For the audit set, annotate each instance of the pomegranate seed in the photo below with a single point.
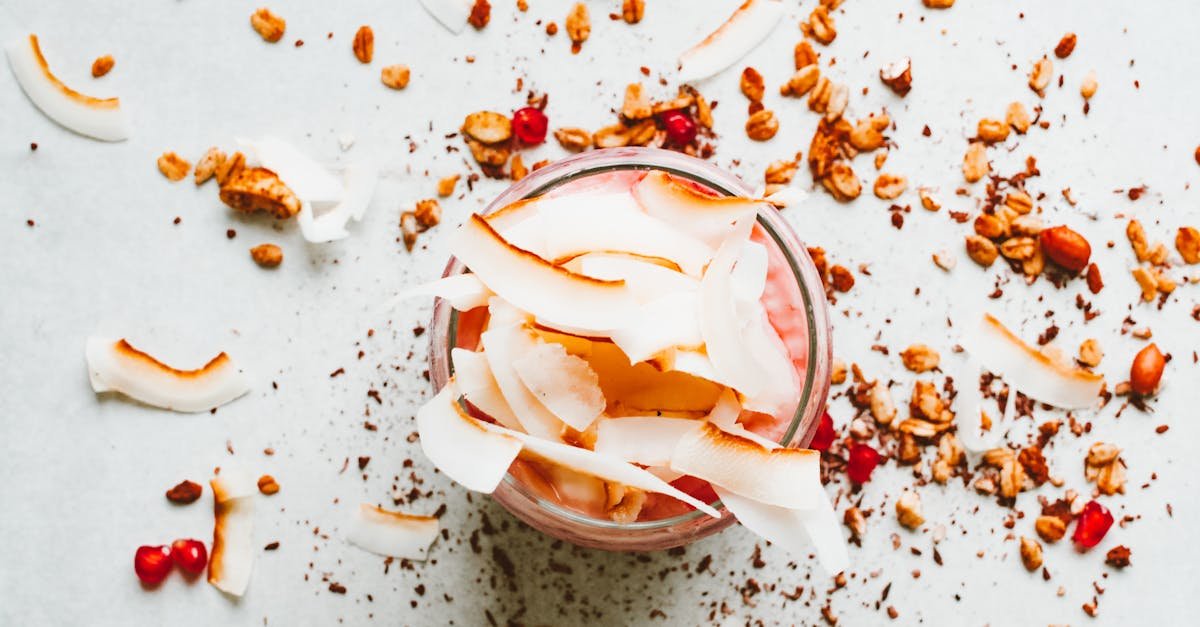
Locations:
(863, 459)
(681, 129)
(190, 555)
(529, 124)
(152, 564)
(1092, 525)
(824, 435)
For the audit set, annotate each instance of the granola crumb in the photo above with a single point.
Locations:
(102, 65)
(762, 126)
(578, 25)
(908, 510)
(206, 167)
(268, 25)
(633, 10)
(445, 185)
(267, 255)
(267, 485)
(174, 167)
(395, 76)
(363, 45)
(1031, 554)
(481, 14)
(920, 358)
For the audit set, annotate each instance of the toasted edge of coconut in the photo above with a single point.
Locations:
(392, 533)
(116, 366)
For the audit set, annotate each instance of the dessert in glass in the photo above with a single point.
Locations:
(630, 352)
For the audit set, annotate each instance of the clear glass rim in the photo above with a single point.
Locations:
(816, 383)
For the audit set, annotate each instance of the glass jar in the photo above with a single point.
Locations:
(813, 364)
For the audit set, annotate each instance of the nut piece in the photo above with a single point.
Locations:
(908, 510)
(228, 168)
(637, 105)
(267, 255)
(837, 374)
(950, 455)
(409, 229)
(185, 492)
(1187, 242)
(207, 166)
(1017, 117)
(898, 76)
(762, 125)
(1090, 353)
(1066, 247)
(780, 172)
(804, 54)
(867, 135)
(632, 11)
(981, 250)
(488, 127)
(268, 25)
(395, 76)
(927, 199)
(1039, 77)
(1104, 466)
(579, 26)
(842, 182)
(1147, 281)
(1147, 370)
(173, 166)
(1019, 202)
(445, 186)
(890, 186)
(841, 278)
(267, 485)
(975, 162)
(481, 14)
(1065, 46)
(1050, 528)
(1088, 87)
(855, 522)
(938, 4)
(1031, 554)
(428, 212)
(992, 131)
(920, 358)
(801, 82)
(1118, 557)
(944, 260)
(752, 84)
(1137, 240)
(364, 44)
(259, 189)
(880, 403)
(820, 26)
(102, 65)
(573, 138)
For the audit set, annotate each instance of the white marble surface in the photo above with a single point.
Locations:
(81, 478)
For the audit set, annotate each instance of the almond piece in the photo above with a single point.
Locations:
(633, 10)
(981, 250)
(1031, 554)
(1066, 247)
(364, 44)
(908, 510)
(1039, 76)
(975, 162)
(1065, 46)
(762, 125)
(488, 127)
(395, 76)
(267, 255)
(1187, 242)
(207, 166)
(102, 65)
(268, 25)
(1147, 370)
(1018, 117)
(890, 186)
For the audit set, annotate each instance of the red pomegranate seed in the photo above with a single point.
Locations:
(1092, 525)
(824, 435)
(529, 124)
(190, 555)
(681, 129)
(863, 459)
(152, 564)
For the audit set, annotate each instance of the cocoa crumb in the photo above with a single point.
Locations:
(185, 492)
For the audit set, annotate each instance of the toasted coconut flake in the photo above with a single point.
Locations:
(968, 405)
(707, 218)
(452, 14)
(503, 346)
(565, 384)
(615, 223)
(1032, 371)
(779, 393)
(784, 477)
(799, 532)
(599, 466)
(725, 416)
(645, 440)
(233, 549)
(460, 446)
(750, 274)
(392, 534)
(464, 291)
(648, 278)
(742, 32)
(99, 118)
(116, 366)
(697, 364)
(662, 324)
(722, 329)
(310, 181)
(476, 382)
(539, 287)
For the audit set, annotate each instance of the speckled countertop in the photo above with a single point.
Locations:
(82, 477)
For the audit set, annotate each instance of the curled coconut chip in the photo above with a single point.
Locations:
(784, 477)
(535, 285)
(452, 14)
(742, 32)
(116, 366)
(672, 320)
(99, 118)
(463, 291)
(504, 345)
(392, 534)
(647, 277)
(476, 382)
(797, 531)
(563, 383)
(707, 218)
(358, 181)
(645, 440)
(233, 548)
(461, 447)
(1035, 373)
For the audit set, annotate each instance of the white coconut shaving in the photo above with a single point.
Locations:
(116, 366)
(391, 533)
(735, 38)
(233, 549)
